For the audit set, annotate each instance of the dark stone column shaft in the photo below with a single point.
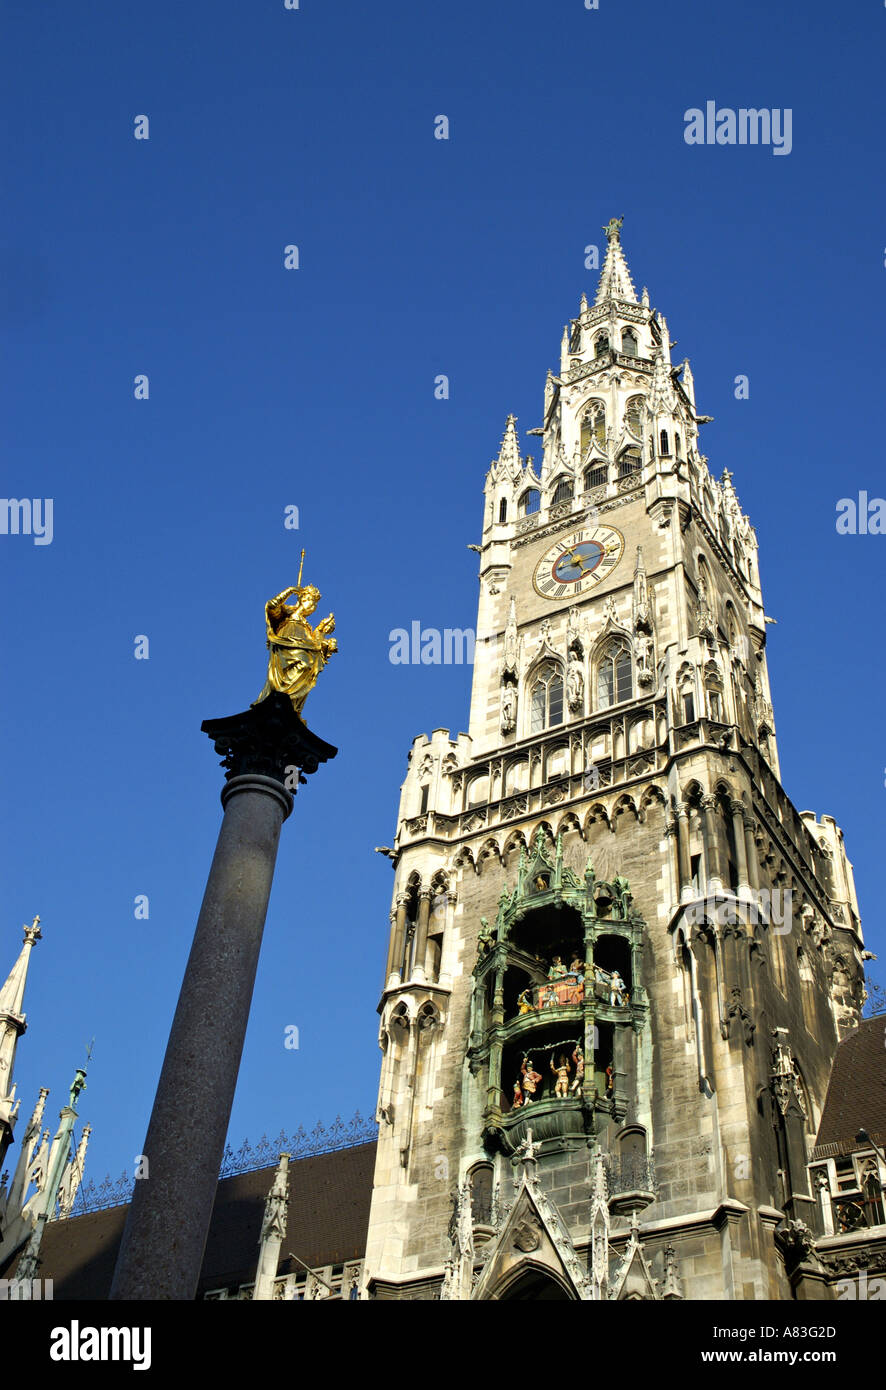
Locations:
(162, 1249)
(161, 1253)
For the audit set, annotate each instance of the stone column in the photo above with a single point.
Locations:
(684, 861)
(392, 947)
(421, 935)
(751, 853)
(399, 939)
(712, 845)
(267, 750)
(737, 809)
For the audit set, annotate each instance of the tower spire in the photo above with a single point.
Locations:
(615, 278)
(12, 1025)
(273, 1231)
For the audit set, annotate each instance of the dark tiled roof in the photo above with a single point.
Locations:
(328, 1219)
(856, 1097)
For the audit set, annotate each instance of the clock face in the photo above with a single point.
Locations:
(578, 562)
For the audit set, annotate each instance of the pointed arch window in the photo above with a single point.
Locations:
(546, 699)
(664, 447)
(629, 462)
(615, 679)
(593, 425)
(530, 502)
(634, 416)
(629, 343)
(502, 511)
(601, 344)
(595, 477)
(562, 493)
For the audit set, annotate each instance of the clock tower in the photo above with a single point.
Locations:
(620, 960)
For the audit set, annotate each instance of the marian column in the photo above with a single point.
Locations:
(267, 750)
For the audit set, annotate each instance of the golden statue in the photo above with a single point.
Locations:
(298, 652)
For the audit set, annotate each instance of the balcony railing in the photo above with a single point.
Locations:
(856, 1212)
(569, 990)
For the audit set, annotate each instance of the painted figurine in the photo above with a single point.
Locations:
(524, 1003)
(561, 1071)
(578, 1058)
(531, 1080)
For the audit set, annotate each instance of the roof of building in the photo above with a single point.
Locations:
(328, 1217)
(856, 1097)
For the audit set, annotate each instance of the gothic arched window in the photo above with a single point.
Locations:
(634, 416)
(593, 424)
(601, 344)
(629, 343)
(530, 501)
(629, 462)
(595, 477)
(546, 699)
(562, 493)
(502, 511)
(615, 681)
(480, 1178)
(664, 448)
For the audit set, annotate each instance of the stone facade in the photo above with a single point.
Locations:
(617, 804)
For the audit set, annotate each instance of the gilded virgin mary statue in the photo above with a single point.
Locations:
(297, 651)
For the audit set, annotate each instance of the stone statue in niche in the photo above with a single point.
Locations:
(575, 684)
(508, 707)
(643, 648)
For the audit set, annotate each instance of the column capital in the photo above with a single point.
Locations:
(268, 740)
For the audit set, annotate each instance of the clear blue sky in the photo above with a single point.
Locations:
(314, 388)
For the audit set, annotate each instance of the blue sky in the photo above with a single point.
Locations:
(315, 388)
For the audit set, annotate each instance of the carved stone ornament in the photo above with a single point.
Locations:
(527, 1235)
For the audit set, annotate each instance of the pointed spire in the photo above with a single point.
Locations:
(12, 994)
(670, 1288)
(512, 642)
(508, 464)
(641, 614)
(29, 1144)
(12, 1025)
(599, 1227)
(615, 278)
(273, 1232)
(688, 381)
(665, 339)
(661, 397)
(73, 1175)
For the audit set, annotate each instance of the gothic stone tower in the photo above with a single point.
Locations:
(620, 959)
